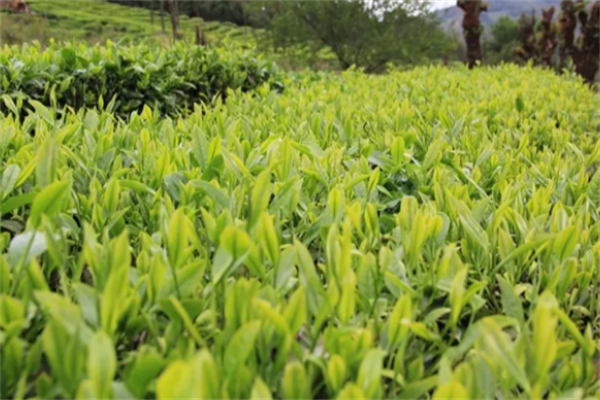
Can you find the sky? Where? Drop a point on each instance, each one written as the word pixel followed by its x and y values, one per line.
pixel 442 3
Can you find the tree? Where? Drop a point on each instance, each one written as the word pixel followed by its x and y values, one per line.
pixel 162 15
pixel 528 50
pixel 195 9
pixel 174 11
pixel 472 28
pixel 538 41
pixel 547 40
pixel 502 42
pixel 585 52
pixel 365 33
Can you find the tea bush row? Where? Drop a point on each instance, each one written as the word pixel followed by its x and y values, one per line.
pixel 126 76
pixel 427 234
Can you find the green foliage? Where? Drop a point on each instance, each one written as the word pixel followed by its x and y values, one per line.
pixel 95 21
pixel 367 34
pixel 502 42
pixel 128 77
pixel 422 234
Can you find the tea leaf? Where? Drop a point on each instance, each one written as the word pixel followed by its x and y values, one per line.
pixel 565 242
pixel 240 347
pixel 259 200
pixel 294 381
pixel 49 201
pixel 8 180
pixel 101 364
pixel 510 302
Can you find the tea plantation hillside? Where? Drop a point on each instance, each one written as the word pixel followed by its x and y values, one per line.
pixel 424 234
pixel 96 21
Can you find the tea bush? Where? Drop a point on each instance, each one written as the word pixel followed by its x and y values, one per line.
pixel 171 79
pixel 426 234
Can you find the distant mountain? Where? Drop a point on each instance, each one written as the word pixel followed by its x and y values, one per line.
pixel 451 17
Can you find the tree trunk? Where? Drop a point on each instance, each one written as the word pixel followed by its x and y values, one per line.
pixel 567 24
pixel 527 51
pixel 547 42
pixel 472 28
pixel 585 53
pixel 200 38
pixel 174 18
pixel 589 51
pixel 162 15
pixel 196 8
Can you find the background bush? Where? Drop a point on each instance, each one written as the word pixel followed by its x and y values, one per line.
pixel 171 80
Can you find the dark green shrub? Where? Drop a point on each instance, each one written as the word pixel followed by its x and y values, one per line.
pixel 171 80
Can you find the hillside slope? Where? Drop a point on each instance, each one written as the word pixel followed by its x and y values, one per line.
pixel 451 17
pixel 95 21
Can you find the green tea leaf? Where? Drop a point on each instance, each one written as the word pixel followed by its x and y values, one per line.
pixel 207 384
pixel 565 242
pixel 294 381
pixel 240 347
pixel 452 390
pixel 510 302
pixel 544 336
pixel 351 391
pixel 8 180
pixel 217 195
pixel 177 382
pixel 259 199
pixel 101 364
pixel 260 391
pixel 25 247
pixel 49 201
pixel 369 374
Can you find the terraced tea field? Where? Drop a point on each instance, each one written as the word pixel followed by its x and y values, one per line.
pixel 96 21
pixel 424 234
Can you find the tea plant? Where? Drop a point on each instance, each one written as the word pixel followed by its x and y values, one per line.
pixel 79 76
pixel 98 21
pixel 427 234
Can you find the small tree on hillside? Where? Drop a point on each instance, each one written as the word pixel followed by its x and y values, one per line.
pixel 472 28
pixel 547 40
pixel 365 33
pixel 527 51
pixel 584 52
pixel 502 42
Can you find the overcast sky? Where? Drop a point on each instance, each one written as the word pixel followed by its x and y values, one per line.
pixel 442 3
